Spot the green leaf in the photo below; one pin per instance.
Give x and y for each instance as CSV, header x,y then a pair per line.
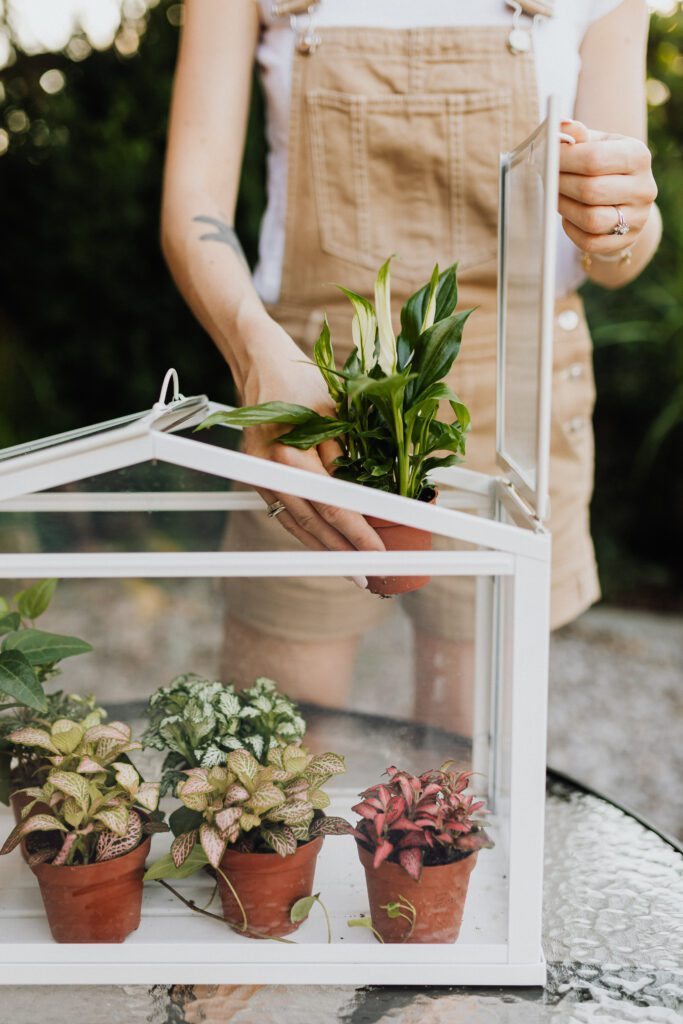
x,y
36,823
76,786
10,622
363,327
115,818
66,735
314,432
165,868
244,765
437,349
31,737
414,312
387,340
42,648
212,842
19,681
183,819
282,840
255,415
430,309
324,358
300,910
33,601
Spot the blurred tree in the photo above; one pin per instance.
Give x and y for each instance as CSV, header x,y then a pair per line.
x,y
89,318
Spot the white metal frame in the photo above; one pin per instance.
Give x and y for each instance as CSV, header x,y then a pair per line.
x,y
516,553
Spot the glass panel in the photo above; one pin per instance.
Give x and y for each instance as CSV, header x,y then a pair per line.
x,y
404,681
524,272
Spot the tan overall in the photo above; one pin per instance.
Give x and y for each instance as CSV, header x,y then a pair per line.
x,y
394,144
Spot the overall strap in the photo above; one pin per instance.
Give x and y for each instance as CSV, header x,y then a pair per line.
x,y
544,8
281,8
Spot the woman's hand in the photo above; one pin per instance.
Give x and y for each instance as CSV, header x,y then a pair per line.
x,y
599,172
283,374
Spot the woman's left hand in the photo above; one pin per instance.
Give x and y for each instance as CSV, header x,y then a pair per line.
x,y
598,173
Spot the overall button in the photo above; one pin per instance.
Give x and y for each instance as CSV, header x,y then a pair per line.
x,y
568,319
575,371
576,425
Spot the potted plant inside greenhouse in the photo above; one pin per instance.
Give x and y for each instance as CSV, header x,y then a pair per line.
x,y
30,657
418,841
261,828
198,721
386,401
88,849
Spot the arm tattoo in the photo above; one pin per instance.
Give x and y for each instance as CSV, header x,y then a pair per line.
x,y
222,233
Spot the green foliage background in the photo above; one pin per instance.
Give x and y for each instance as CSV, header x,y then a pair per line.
x,y
90,320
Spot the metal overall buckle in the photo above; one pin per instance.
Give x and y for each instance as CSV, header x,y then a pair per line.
x,y
519,40
307,39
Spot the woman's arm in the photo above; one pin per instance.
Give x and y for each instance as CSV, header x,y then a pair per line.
x,y
612,166
201,180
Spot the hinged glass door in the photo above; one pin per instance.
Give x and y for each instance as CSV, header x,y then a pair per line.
x,y
526,283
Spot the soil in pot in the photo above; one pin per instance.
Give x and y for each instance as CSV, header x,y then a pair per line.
x,y
267,885
94,902
18,801
439,898
397,537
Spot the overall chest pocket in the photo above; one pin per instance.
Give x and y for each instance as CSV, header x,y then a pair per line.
x,y
411,174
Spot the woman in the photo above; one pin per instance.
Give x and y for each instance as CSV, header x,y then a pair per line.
x,y
385,119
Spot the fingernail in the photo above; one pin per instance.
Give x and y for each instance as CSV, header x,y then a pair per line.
x,y
570,120
360,581
569,139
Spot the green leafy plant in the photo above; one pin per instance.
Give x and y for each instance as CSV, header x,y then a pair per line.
x,y
199,721
418,821
99,807
30,762
387,395
29,657
253,808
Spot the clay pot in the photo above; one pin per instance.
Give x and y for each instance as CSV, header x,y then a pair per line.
x,y
439,898
19,800
94,902
267,885
397,537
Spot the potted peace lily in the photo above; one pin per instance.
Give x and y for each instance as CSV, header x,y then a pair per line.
x,y
261,827
88,848
418,840
29,658
386,400
199,721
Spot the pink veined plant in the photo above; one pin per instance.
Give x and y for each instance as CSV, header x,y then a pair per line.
x,y
99,807
419,821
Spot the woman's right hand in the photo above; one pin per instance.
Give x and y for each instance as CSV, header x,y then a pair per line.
x,y
284,374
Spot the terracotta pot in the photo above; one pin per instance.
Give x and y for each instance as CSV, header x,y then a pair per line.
x,y
267,885
397,537
94,902
439,898
19,800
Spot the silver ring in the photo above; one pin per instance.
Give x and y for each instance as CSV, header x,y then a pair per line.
x,y
622,227
276,509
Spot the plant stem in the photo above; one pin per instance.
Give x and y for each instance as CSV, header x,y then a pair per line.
x,y
238,901
218,917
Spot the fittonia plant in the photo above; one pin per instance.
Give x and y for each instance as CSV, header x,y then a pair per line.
x,y
199,721
99,807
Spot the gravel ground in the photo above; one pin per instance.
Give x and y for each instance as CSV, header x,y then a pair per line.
x,y
616,680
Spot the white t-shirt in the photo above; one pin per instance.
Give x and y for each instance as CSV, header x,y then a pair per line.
x,y
557,41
